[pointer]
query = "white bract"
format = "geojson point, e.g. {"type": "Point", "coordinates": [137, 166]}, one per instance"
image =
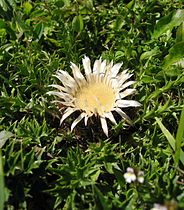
{"type": "Point", "coordinates": [99, 92]}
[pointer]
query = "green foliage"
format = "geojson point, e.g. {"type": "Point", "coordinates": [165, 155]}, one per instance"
{"type": "Point", "coordinates": [79, 172]}
{"type": "Point", "coordinates": [175, 54]}
{"type": "Point", "coordinates": [173, 19]}
{"type": "Point", "coordinates": [166, 24]}
{"type": "Point", "coordinates": [179, 139]}
{"type": "Point", "coordinates": [45, 166]}
{"type": "Point", "coordinates": [2, 189]}
{"type": "Point", "coordinates": [175, 143]}
{"type": "Point", "coordinates": [4, 136]}
{"type": "Point", "coordinates": [77, 23]}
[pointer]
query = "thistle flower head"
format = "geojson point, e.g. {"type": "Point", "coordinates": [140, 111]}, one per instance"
{"type": "Point", "coordinates": [99, 92]}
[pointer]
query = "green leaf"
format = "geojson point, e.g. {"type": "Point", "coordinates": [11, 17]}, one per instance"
{"type": "Point", "coordinates": [2, 188]}
{"type": "Point", "coordinates": [2, 24]}
{"type": "Point", "coordinates": [119, 176]}
{"type": "Point", "coordinates": [176, 54]}
{"type": "Point", "coordinates": [147, 79]}
{"type": "Point", "coordinates": [134, 197]}
{"type": "Point", "coordinates": [103, 200]}
{"type": "Point", "coordinates": [39, 29]}
{"type": "Point", "coordinates": [170, 138]}
{"type": "Point", "coordinates": [4, 136]}
{"type": "Point", "coordinates": [27, 7]}
{"type": "Point", "coordinates": [22, 27]}
{"type": "Point", "coordinates": [77, 23]}
{"type": "Point", "coordinates": [179, 138]}
{"type": "Point", "coordinates": [131, 4]}
{"type": "Point", "coordinates": [180, 33]}
{"type": "Point", "coordinates": [7, 4]}
{"type": "Point", "coordinates": [95, 175]}
{"type": "Point", "coordinates": [4, 5]}
{"type": "Point", "coordinates": [167, 134]}
{"type": "Point", "coordinates": [70, 202]}
{"type": "Point", "coordinates": [149, 54]}
{"type": "Point", "coordinates": [168, 22]}
{"type": "Point", "coordinates": [119, 55]}
{"type": "Point", "coordinates": [12, 3]}
{"type": "Point", "coordinates": [173, 70]}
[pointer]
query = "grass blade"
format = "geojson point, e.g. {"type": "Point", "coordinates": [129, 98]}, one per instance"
{"type": "Point", "coordinates": [170, 139]}
{"type": "Point", "coordinates": [2, 193]}
{"type": "Point", "coordinates": [179, 138]}
{"type": "Point", "coordinates": [167, 134]}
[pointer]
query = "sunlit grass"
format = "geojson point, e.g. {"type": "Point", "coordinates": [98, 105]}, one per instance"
{"type": "Point", "coordinates": [2, 188]}
{"type": "Point", "coordinates": [43, 165]}
{"type": "Point", "coordinates": [179, 154]}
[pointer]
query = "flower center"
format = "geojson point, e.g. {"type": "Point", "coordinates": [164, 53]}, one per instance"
{"type": "Point", "coordinates": [95, 98]}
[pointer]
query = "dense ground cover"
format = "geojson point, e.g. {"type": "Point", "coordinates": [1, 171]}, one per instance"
{"type": "Point", "coordinates": [45, 166]}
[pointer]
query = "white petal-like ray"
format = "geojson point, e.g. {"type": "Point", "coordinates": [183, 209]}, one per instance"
{"type": "Point", "coordinates": [64, 103]}
{"type": "Point", "coordinates": [79, 118]}
{"type": "Point", "coordinates": [76, 72]}
{"type": "Point", "coordinates": [122, 77]}
{"type": "Point", "coordinates": [115, 84]}
{"type": "Point", "coordinates": [64, 75]}
{"type": "Point", "coordinates": [104, 125]}
{"type": "Point", "coordinates": [60, 94]}
{"type": "Point", "coordinates": [103, 67]}
{"type": "Point", "coordinates": [127, 103]}
{"type": "Point", "coordinates": [96, 66]}
{"type": "Point", "coordinates": [86, 117]}
{"type": "Point", "coordinates": [87, 66]}
{"type": "Point", "coordinates": [110, 116]}
{"type": "Point", "coordinates": [66, 82]}
{"type": "Point", "coordinates": [108, 78]}
{"type": "Point", "coordinates": [59, 87]}
{"type": "Point", "coordinates": [123, 115]}
{"type": "Point", "coordinates": [108, 70]}
{"type": "Point", "coordinates": [127, 92]}
{"type": "Point", "coordinates": [115, 69]}
{"type": "Point", "coordinates": [67, 113]}
{"type": "Point", "coordinates": [125, 85]}
{"type": "Point", "coordinates": [123, 73]}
